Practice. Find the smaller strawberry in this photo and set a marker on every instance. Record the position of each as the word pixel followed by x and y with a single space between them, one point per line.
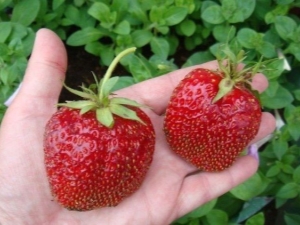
pixel 97 150
pixel 213 115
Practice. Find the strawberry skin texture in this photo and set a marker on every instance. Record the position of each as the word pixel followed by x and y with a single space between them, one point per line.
pixel 210 135
pixel 89 165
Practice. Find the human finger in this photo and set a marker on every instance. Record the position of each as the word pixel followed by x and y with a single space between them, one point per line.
pixel 44 75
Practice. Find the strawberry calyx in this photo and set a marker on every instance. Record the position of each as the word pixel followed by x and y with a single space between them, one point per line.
pixel 232 75
pixel 99 97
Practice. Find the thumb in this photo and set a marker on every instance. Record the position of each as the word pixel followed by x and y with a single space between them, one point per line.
pixel 44 75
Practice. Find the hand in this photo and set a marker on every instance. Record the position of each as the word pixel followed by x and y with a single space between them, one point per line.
pixel 169 190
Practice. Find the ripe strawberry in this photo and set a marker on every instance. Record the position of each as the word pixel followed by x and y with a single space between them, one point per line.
pixel 213 115
pixel 98 150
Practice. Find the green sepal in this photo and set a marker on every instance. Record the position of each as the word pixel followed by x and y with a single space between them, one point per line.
pixel 124 112
pixel 78 104
pixel 105 117
pixel 125 101
pixel 225 86
pixel 79 93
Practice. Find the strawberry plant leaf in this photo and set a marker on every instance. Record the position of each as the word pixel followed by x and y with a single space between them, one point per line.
pixel 258 219
pixel 57 3
pixel 281 99
pixel 160 47
pixel 188 27
pixel 198 58
pixel 122 28
pixel 124 81
pixel 285 26
pixel 174 15
pixel 291 219
pixel 140 68
pixel 84 36
pixel 216 216
pixel 6 28
pixel 249 38
pixel 141 37
pixel 250 208
pixel 25 19
pixel 296 175
pixel 288 191
pixel 250 188
pixel 280 147
pixel 213 14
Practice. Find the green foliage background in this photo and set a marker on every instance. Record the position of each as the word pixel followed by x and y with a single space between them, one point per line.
pixel 162 30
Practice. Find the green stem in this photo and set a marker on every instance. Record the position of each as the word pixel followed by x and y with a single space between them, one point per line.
pixel 111 68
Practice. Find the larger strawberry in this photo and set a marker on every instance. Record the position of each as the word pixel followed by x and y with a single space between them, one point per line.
pixel 98 150
pixel 213 114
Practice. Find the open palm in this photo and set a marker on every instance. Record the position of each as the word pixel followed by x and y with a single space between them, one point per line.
pixel 171 188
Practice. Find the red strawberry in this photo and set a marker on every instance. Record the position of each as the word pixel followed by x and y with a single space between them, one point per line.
pixel 213 115
pixel 98 150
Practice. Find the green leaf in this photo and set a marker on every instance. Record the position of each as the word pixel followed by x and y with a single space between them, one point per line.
pixel 107 55
pixel 57 3
pixel 281 99
pixel 288 191
pixel 188 27
pixel 201 211
pixel 160 47
pixel 267 50
pixel 280 147
pixel 6 29
pixel 105 117
pixel 25 12
pixel 216 216
pixel 124 81
pixel 285 26
pixel 3 5
pixel 273 171
pixel 156 14
pixel 174 15
pixel 98 10
pixel 141 38
pixel 258 219
pixel 251 207
pixel 198 58
pixel 122 28
pixel 274 69
pixel 296 175
pixel 249 38
pixel 250 188
pixel 224 33
pixel 140 68
pixel 213 15
pixel 292 116
pixel 102 12
pixel 84 36
pixel 291 219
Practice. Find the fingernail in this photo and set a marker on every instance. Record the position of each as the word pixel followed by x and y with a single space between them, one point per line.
pixel 12 97
pixel 253 151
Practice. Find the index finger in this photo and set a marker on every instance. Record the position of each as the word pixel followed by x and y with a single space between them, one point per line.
pixel 156 92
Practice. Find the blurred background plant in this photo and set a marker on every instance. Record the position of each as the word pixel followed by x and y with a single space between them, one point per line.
pixel 172 34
